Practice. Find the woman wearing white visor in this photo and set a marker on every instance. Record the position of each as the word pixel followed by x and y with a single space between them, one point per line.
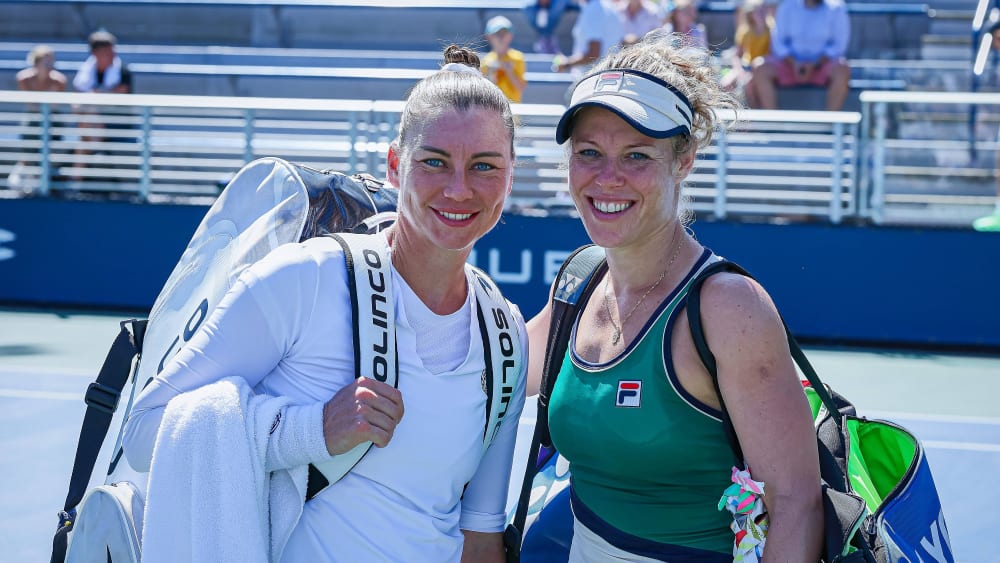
pixel 648 472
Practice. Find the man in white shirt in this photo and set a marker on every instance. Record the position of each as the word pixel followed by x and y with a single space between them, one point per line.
pixel 598 29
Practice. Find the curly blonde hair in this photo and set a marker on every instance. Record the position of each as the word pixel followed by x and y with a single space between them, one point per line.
pixel 689 69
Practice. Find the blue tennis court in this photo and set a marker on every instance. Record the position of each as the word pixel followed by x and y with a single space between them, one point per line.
pixel 47 360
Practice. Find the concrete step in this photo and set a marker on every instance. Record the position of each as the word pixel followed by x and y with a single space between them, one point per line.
pixel 951 26
pixel 392 84
pixel 943 14
pixel 947 40
pixel 937 49
pixel 374 27
pixel 425 28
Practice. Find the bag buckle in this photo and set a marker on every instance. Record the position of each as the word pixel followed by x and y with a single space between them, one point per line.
pixel 102 397
pixel 67 518
pixel 512 544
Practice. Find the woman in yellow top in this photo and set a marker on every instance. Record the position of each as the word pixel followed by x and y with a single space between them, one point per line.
pixel 503 65
pixel 752 41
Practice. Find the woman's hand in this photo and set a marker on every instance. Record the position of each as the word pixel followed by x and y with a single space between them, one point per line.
pixel 364 411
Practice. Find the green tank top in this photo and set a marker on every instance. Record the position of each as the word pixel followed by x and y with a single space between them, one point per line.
pixel 645 456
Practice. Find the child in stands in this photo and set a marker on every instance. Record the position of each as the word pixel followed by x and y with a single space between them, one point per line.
pixel 502 65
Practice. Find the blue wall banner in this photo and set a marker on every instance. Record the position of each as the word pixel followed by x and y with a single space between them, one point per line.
pixel 832 283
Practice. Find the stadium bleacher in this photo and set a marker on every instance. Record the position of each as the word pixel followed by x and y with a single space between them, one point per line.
pixel 892 30
pixel 884 27
pixel 356 49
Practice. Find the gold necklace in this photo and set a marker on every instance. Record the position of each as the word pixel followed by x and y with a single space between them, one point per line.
pixel 617 335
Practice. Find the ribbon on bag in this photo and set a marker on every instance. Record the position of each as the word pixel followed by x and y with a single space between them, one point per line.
pixel 744 499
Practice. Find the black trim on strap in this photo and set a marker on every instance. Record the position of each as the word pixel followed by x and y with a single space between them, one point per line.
pixel 488 370
pixel 315 482
pixel 352 285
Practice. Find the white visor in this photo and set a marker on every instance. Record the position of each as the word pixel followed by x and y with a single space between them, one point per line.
pixel 655 108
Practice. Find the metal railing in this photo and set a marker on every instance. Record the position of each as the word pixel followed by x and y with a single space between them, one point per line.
pixel 987 14
pixel 915 172
pixel 155 148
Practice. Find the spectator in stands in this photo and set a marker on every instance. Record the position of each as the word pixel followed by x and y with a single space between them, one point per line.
pixel 638 18
pixel 503 65
pixel 682 17
pixel 40 76
pixel 752 43
pixel 991 222
pixel 598 30
pixel 544 16
pixel 808 48
pixel 103 71
pixel 649 492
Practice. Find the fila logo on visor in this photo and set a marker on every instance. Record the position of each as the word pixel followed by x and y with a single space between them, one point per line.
pixel 610 82
pixel 629 394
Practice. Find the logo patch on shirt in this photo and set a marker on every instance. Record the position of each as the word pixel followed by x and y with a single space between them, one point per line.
pixel 629 394
pixel 609 82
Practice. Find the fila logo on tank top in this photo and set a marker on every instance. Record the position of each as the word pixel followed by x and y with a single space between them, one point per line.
pixel 629 394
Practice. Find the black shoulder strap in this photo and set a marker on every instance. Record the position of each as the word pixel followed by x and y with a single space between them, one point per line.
pixel 708 359
pixel 577 278
pixel 575 282
pixel 102 400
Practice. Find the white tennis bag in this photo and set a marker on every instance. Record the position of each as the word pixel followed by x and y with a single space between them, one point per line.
pixel 268 203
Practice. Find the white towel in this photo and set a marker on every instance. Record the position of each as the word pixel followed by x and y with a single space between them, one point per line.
pixel 86 76
pixel 209 498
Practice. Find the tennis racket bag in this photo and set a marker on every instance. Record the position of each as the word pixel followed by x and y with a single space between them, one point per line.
pixel 268 203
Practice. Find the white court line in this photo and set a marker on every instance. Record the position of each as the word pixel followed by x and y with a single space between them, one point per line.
pixel 15 371
pixel 967 446
pixel 921 417
pixel 51 395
